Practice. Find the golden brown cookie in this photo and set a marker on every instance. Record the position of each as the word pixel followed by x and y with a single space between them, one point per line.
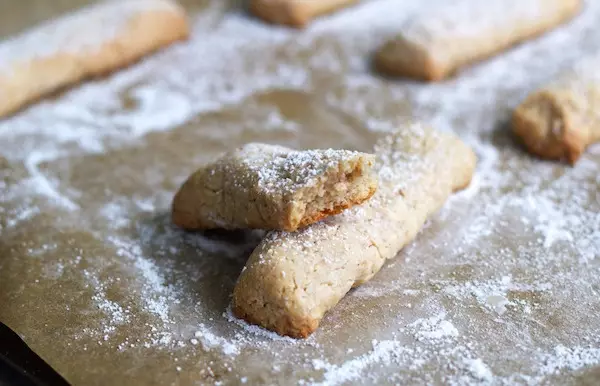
pixel 562 119
pixel 436 43
pixel 89 42
pixel 292 279
pixel 263 186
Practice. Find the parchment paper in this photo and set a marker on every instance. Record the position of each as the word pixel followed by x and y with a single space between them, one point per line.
pixel 502 287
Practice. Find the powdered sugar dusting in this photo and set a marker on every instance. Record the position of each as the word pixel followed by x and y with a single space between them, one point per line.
pixel 267 186
pixel 210 340
pixel 459 19
pixel 82 31
pixel 500 288
pixel 382 353
pixel 563 358
pixel 479 370
pixel 283 171
pixel 434 329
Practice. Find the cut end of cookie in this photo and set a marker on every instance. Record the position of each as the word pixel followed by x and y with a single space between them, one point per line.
pixel 544 126
pixel 287 285
pixel 348 182
pixel 402 58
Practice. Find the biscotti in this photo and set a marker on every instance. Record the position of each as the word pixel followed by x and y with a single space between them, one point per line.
pixel 292 279
pixel 92 41
pixel 296 13
pixel 264 186
pixel 562 119
pixel 434 44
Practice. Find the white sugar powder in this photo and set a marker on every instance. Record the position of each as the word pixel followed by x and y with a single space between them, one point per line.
pixel 479 370
pixel 78 32
pixel 563 358
pixel 433 329
pixel 480 286
pixel 383 353
pixel 210 340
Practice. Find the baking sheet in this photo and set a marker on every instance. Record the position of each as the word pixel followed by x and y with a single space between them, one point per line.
pixel 501 287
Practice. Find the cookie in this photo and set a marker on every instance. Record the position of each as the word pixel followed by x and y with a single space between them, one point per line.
pixel 436 43
pixel 292 279
pixel 560 120
pixel 296 13
pixel 263 186
pixel 89 42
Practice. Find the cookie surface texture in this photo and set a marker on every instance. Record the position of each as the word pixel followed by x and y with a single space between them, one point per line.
pixel 292 279
pixel 271 187
pixel 86 43
pixel 438 41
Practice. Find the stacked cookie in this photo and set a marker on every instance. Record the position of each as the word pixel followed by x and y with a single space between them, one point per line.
pixel 333 216
pixel 303 267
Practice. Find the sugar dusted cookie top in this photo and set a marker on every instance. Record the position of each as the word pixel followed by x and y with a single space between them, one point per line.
pixel 448 19
pixel 292 279
pixel 282 171
pixel 101 21
pixel 273 187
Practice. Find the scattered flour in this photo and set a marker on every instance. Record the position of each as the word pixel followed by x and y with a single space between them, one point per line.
pixel 383 353
pixel 115 312
pixel 157 295
pixel 571 359
pixel 41 184
pixel 479 370
pixel 210 340
pixel 470 265
pixel 22 215
pixel 493 294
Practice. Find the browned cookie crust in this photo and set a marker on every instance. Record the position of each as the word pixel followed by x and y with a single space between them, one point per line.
pixel 292 279
pixel 296 13
pixel 90 42
pixel 561 120
pixel 272 187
